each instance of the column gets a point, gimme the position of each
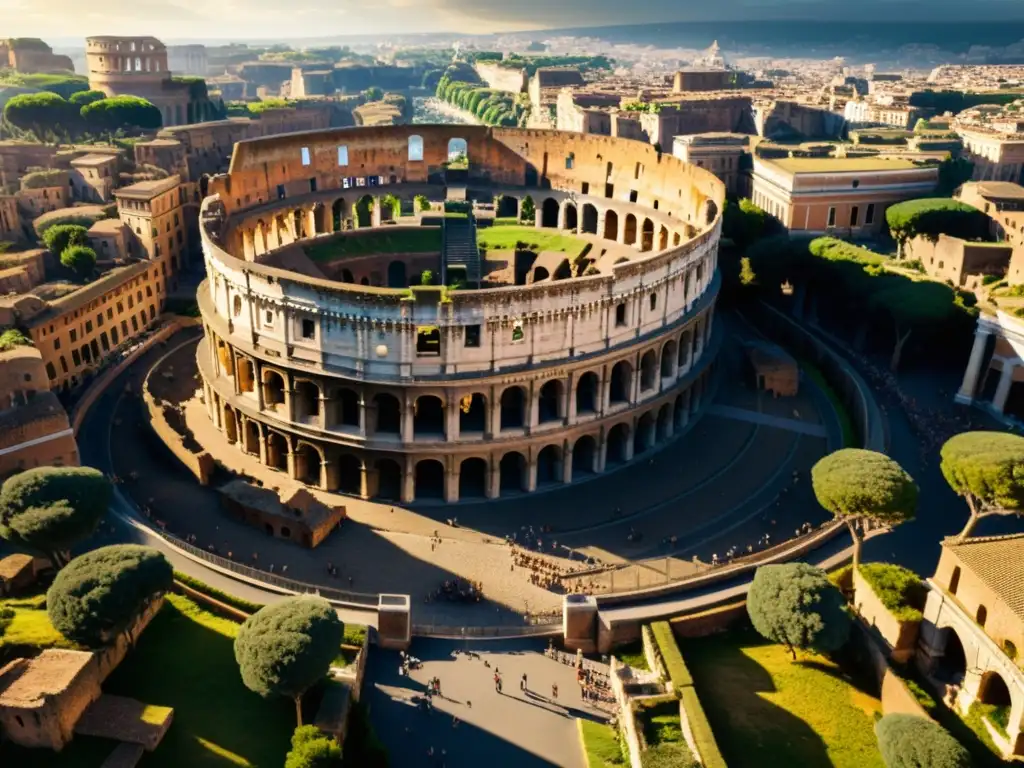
(602, 450)
(330, 474)
(970, 383)
(561, 215)
(519, 209)
(606, 391)
(630, 441)
(408, 481)
(602, 218)
(538, 215)
(634, 384)
(451, 415)
(261, 443)
(321, 415)
(311, 227)
(1005, 382)
(533, 408)
(375, 215)
(494, 481)
(570, 405)
(531, 473)
(451, 485)
(362, 416)
(620, 236)
(407, 420)
(567, 462)
(494, 416)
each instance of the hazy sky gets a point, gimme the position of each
(273, 19)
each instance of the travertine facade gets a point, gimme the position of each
(526, 385)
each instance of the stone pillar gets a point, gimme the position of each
(562, 215)
(567, 462)
(451, 486)
(451, 416)
(602, 451)
(494, 480)
(970, 383)
(620, 236)
(375, 215)
(533, 408)
(566, 400)
(531, 473)
(538, 216)
(1005, 382)
(362, 416)
(606, 391)
(494, 416)
(330, 475)
(289, 402)
(408, 481)
(570, 405)
(311, 222)
(629, 443)
(408, 428)
(321, 415)
(261, 443)
(602, 219)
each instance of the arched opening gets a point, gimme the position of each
(307, 400)
(472, 413)
(549, 406)
(663, 238)
(227, 360)
(277, 452)
(346, 276)
(251, 439)
(589, 219)
(507, 207)
(246, 375)
(338, 211)
(630, 231)
(540, 273)
(954, 580)
(389, 479)
(685, 343)
(415, 148)
(549, 465)
(318, 218)
(273, 389)
(981, 616)
(350, 474)
(647, 236)
(348, 407)
(549, 213)
(669, 359)
(458, 160)
(664, 423)
(473, 479)
(621, 383)
(586, 393)
(396, 275)
(584, 454)
(230, 425)
(679, 411)
(953, 664)
(611, 225)
(618, 437)
(299, 224)
(992, 690)
(389, 413)
(428, 417)
(643, 440)
(648, 371)
(571, 217)
(430, 479)
(513, 472)
(710, 212)
(676, 239)
(364, 211)
(513, 408)
(308, 465)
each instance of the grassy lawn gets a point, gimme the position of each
(29, 626)
(633, 655)
(419, 240)
(601, 743)
(508, 238)
(769, 711)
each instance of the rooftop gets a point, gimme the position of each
(93, 159)
(107, 226)
(12, 565)
(28, 682)
(147, 190)
(1004, 190)
(795, 165)
(997, 561)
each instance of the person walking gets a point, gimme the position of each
(522, 683)
(554, 690)
(497, 682)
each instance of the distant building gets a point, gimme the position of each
(31, 55)
(187, 59)
(93, 177)
(152, 211)
(727, 155)
(996, 156)
(784, 118)
(10, 220)
(701, 79)
(845, 195)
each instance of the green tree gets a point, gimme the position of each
(912, 305)
(987, 470)
(747, 275)
(51, 509)
(374, 93)
(528, 211)
(909, 741)
(796, 605)
(921, 125)
(859, 487)
(391, 203)
(427, 277)
(934, 216)
(82, 98)
(99, 595)
(81, 259)
(954, 172)
(422, 203)
(58, 237)
(744, 222)
(311, 748)
(107, 116)
(45, 115)
(287, 646)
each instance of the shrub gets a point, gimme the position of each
(931, 217)
(11, 338)
(703, 736)
(60, 236)
(223, 597)
(906, 741)
(989, 279)
(81, 259)
(900, 590)
(675, 667)
(311, 748)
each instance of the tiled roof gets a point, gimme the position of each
(999, 562)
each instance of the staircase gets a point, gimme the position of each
(460, 249)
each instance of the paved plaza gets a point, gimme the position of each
(514, 728)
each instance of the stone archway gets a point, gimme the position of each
(587, 390)
(472, 414)
(589, 223)
(611, 225)
(669, 359)
(664, 430)
(428, 418)
(571, 217)
(389, 479)
(646, 430)
(648, 371)
(512, 471)
(389, 414)
(513, 408)
(621, 383)
(308, 464)
(429, 479)
(273, 389)
(339, 209)
(584, 456)
(347, 407)
(549, 405)
(549, 465)
(230, 425)
(549, 213)
(350, 474)
(473, 477)
(647, 236)
(277, 451)
(629, 231)
(307, 401)
(618, 449)
(397, 277)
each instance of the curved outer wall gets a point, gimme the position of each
(322, 380)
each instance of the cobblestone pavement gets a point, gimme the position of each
(719, 486)
(514, 728)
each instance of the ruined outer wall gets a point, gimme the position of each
(502, 78)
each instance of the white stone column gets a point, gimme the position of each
(408, 429)
(567, 462)
(1005, 382)
(451, 486)
(451, 415)
(970, 383)
(493, 480)
(362, 417)
(569, 407)
(602, 451)
(531, 473)
(561, 215)
(408, 481)
(375, 215)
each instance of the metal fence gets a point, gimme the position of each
(538, 626)
(358, 599)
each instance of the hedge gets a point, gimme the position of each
(703, 736)
(199, 586)
(900, 590)
(675, 667)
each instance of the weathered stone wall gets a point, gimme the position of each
(900, 636)
(502, 78)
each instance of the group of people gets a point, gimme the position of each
(457, 591)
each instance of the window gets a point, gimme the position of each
(632, 195)
(113, 336)
(517, 331)
(831, 217)
(63, 364)
(654, 301)
(869, 214)
(99, 320)
(638, 170)
(415, 148)
(312, 185)
(428, 341)
(305, 156)
(473, 336)
(120, 308)
(135, 324)
(280, 192)
(856, 183)
(585, 188)
(981, 616)
(131, 302)
(854, 215)
(56, 344)
(124, 328)
(88, 326)
(236, 306)
(954, 580)
(269, 318)
(342, 156)
(51, 371)
(76, 358)
(308, 329)
(74, 335)
(149, 291)
(104, 342)
(609, 191)
(620, 315)
(570, 161)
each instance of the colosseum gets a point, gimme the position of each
(329, 355)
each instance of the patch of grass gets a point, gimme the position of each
(675, 667)
(633, 655)
(900, 590)
(845, 421)
(660, 722)
(26, 627)
(510, 238)
(602, 745)
(223, 597)
(420, 240)
(769, 711)
(355, 634)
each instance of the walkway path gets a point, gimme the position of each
(755, 417)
